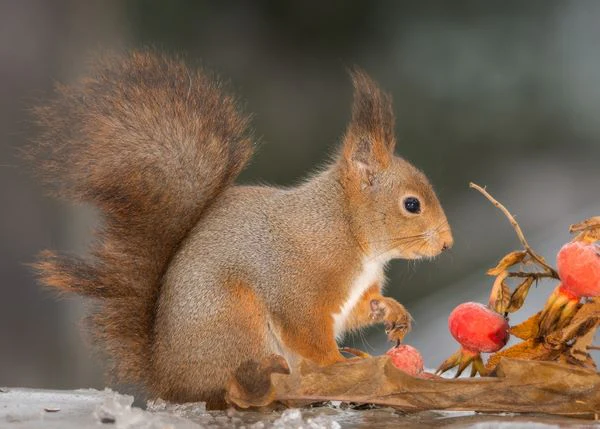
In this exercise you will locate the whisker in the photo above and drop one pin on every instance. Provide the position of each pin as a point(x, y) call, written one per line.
point(377, 255)
point(407, 241)
point(439, 226)
point(394, 245)
point(364, 340)
point(421, 247)
point(398, 238)
point(413, 267)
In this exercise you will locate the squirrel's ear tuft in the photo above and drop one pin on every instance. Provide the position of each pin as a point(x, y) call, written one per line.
point(369, 139)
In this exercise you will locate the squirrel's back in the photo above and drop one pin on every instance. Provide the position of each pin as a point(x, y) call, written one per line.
point(151, 143)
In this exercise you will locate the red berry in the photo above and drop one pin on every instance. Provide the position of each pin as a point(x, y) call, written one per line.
point(579, 268)
point(477, 328)
point(407, 359)
point(566, 293)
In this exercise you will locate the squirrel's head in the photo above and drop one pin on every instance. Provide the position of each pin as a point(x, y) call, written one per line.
point(395, 211)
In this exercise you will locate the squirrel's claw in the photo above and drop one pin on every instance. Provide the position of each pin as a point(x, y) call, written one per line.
point(396, 332)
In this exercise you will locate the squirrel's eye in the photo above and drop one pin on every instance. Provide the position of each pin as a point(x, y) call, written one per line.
point(412, 205)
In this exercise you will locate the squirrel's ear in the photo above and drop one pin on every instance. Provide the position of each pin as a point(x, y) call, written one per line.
point(369, 140)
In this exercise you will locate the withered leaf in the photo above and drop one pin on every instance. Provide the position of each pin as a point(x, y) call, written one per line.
point(527, 329)
point(529, 350)
point(508, 261)
point(588, 236)
point(589, 363)
point(591, 223)
point(589, 230)
point(586, 317)
point(519, 386)
point(579, 349)
point(500, 294)
point(585, 362)
point(517, 299)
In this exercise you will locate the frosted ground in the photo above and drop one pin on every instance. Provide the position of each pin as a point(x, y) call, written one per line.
point(89, 408)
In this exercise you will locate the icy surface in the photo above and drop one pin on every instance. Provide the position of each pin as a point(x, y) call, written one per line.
point(32, 408)
point(88, 408)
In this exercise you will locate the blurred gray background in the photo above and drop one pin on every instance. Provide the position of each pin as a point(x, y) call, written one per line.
point(506, 94)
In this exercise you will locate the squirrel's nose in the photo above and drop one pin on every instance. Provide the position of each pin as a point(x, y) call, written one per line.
point(448, 240)
point(446, 245)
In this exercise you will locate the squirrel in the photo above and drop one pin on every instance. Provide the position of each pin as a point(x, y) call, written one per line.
point(192, 275)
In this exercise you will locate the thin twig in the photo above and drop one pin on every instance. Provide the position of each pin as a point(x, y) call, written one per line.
point(517, 229)
point(593, 347)
point(537, 276)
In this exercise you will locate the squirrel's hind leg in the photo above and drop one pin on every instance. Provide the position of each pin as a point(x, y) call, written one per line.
point(203, 334)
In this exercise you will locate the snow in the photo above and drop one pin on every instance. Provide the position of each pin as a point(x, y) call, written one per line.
point(292, 418)
point(88, 408)
point(33, 408)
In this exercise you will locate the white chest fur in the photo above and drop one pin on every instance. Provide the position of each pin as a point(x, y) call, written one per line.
point(371, 273)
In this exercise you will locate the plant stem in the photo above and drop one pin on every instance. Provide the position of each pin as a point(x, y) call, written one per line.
point(537, 276)
point(551, 271)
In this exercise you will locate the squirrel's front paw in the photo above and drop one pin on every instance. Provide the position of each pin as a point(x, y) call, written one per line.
point(395, 318)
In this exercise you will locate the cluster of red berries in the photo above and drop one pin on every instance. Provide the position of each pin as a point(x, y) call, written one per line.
point(480, 329)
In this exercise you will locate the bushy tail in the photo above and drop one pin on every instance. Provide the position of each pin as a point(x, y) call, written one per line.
point(150, 143)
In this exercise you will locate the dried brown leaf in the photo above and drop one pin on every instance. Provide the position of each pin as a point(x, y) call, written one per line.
point(527, 329)
point(588, 236)
point(589, 230)
point(519, 386)
point(500, 294)
point(591, 223)
point(517, 299)
point(508, 261)
point(579, 349)
point(589, 363)
point(586, 317)
point(529, 350)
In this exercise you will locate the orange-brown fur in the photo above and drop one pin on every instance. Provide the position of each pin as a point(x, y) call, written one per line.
point(361, 314)
point(373, 308)
point(194, 276)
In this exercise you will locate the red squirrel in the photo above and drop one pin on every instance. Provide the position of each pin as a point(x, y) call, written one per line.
point(193, 275)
